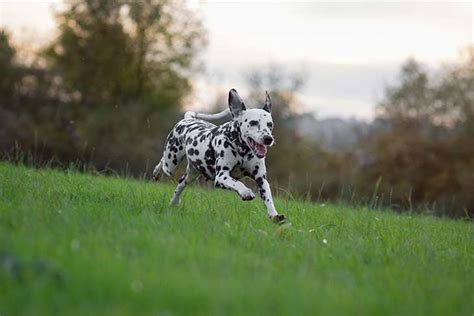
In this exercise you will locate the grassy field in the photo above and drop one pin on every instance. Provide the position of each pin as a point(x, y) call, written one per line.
point(91, 245)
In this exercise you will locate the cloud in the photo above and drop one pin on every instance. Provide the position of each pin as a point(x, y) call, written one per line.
point(331, 89)
point(337, 32)
point(350, 50)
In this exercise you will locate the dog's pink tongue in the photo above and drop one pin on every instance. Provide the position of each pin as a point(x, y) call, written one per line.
point(261, 149)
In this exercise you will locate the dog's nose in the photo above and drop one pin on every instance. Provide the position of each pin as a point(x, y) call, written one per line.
point(267, 140)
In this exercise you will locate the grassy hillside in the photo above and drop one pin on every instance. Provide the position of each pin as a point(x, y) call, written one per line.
point(91, 245)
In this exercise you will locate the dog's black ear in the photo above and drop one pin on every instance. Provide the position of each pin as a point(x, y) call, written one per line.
point(236, 104)
point(268, 103)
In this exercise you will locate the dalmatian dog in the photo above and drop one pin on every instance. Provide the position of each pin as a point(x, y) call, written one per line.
point(223, 153)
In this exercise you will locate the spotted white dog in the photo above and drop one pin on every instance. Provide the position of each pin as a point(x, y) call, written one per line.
point(223, 153)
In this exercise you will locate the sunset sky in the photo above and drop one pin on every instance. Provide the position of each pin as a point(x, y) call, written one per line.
point(349, 50)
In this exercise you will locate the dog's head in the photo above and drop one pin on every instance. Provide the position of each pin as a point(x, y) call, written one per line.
point(256, 125)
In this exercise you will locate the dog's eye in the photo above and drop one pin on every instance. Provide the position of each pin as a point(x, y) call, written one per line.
point(253, 123)
point(270, 125)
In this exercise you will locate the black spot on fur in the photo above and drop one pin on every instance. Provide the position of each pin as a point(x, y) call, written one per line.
point(179, 129)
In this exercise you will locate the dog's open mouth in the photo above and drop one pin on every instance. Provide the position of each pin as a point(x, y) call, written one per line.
point(259, 149)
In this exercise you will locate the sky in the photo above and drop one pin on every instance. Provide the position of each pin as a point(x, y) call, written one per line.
point(348, 50)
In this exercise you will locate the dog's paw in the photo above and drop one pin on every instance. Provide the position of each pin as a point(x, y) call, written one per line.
point(156, 175)
point(174, 202)
point(278, 219)
point(247, 195)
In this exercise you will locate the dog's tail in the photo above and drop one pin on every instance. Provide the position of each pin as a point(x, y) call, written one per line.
point(207, 117)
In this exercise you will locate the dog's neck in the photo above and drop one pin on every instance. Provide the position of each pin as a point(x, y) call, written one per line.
point(235, 135)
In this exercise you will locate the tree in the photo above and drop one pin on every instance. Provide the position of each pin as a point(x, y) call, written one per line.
point(124, 68)
point(455, 97)
point(31, 115)
point(107, 89)
point(425, 157)
point(111, 51)
point(7, 69)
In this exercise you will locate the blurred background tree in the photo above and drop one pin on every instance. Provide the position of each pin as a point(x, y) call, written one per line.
point(425, 153)
point(7, 69)
point(32, 114)
point(113, 64)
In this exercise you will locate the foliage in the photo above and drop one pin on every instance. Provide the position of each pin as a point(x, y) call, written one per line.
point(32, 114)
point(81, 244)
point(7, 55)
point(138, 50)
point(426, 156)
point(109, 87)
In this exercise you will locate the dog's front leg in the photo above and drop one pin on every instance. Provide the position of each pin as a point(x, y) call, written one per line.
point(224, 180)
point(266, 195)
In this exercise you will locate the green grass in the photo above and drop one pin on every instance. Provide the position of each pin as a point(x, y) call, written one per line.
point(91, 245)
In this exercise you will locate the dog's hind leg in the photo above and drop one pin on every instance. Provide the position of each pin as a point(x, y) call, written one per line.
point(157, 171)
point(190, 175)
point(173, 153)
